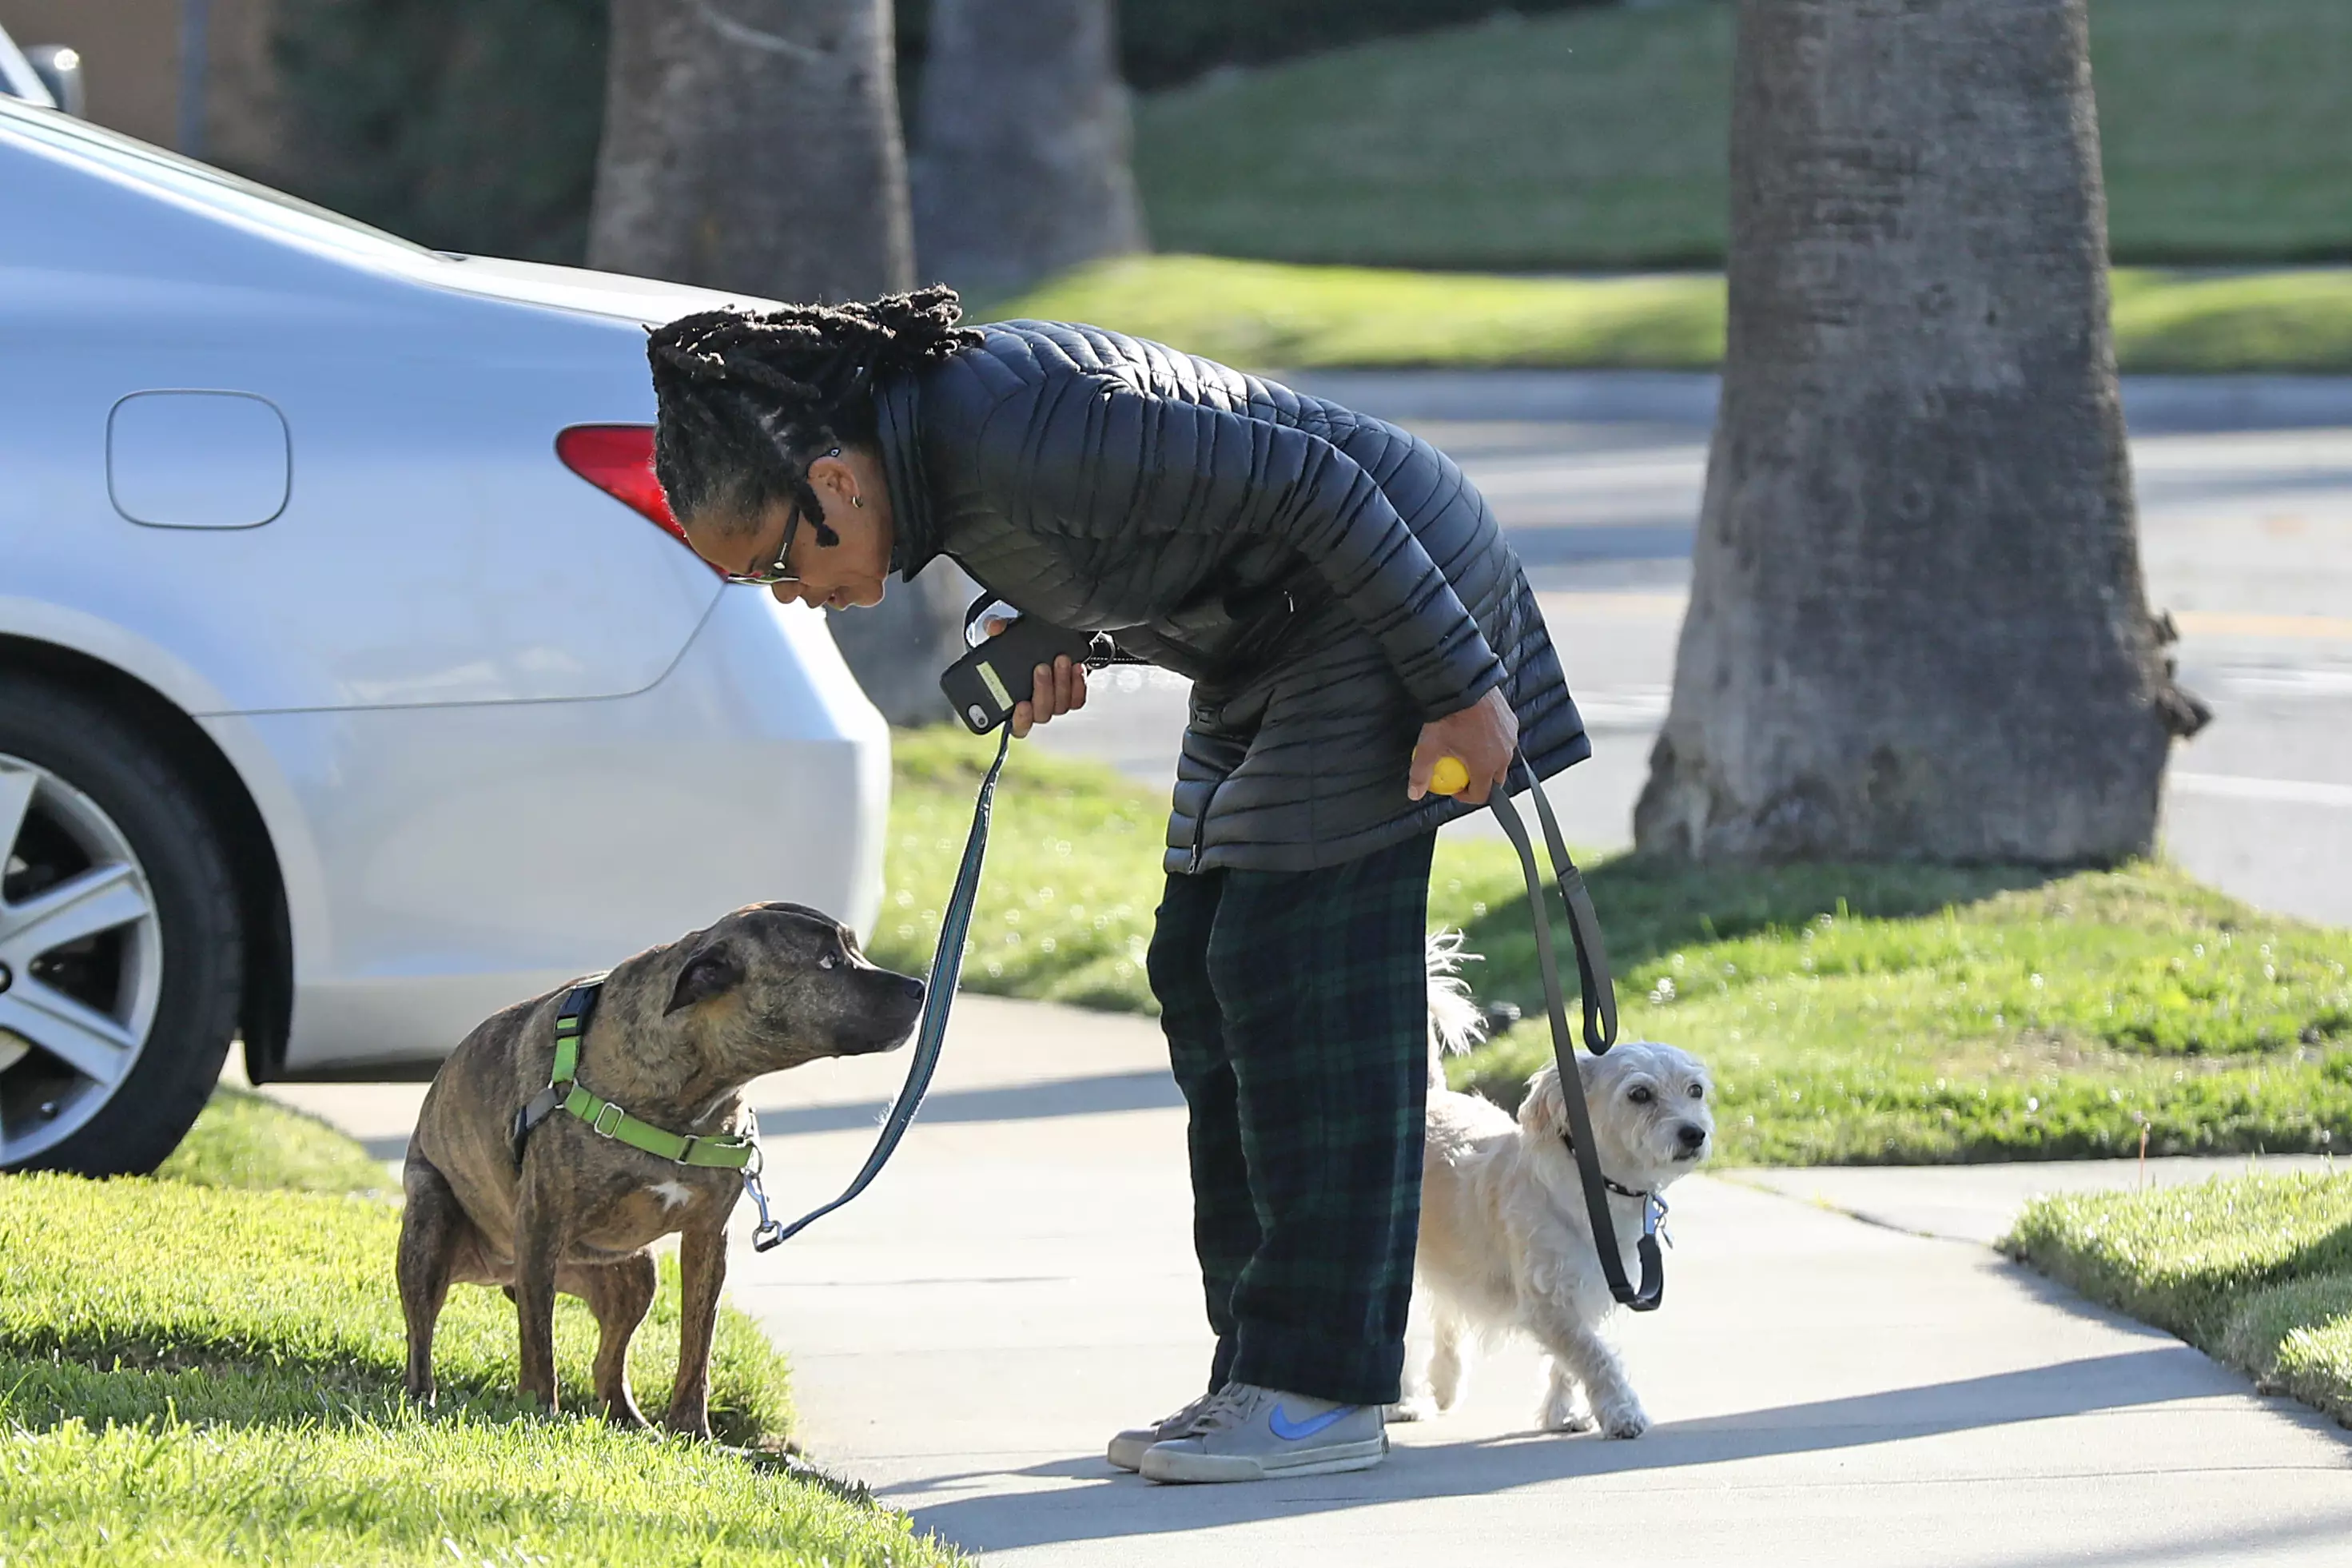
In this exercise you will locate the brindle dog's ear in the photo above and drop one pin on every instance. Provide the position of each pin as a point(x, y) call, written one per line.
point(712, 971)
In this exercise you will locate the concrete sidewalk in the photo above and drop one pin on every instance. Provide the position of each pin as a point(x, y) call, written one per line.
point(1020, 1284)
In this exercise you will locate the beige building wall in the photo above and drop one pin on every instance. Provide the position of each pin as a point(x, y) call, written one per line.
point(131, 57)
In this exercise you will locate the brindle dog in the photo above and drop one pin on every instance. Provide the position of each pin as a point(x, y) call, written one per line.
point(677, 1034)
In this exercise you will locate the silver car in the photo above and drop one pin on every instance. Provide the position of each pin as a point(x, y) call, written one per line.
point(354, 683)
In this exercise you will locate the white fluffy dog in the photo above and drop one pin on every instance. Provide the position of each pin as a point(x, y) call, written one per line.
point(1505, 1244)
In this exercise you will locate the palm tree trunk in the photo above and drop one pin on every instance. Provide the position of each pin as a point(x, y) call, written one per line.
point(753, 145)
point(1022, 167)
point(1917, 628)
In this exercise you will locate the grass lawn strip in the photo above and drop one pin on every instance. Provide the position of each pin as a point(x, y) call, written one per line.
point(1272, 316)
point(2296, 1339)
point(1599, 139)
point(2255, 1270)
point(1852, 1013)
point(193, 1374)
point(411, 1491)
point(245, 1140)
point(159, 1275)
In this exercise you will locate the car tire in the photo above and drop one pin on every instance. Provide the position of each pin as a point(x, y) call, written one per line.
point(98, 817)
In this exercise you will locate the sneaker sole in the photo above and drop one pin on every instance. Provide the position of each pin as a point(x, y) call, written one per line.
point(1200, 1468)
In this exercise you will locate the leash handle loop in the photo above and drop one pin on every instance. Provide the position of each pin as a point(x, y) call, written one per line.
point(1597, 995)
point(946, 964)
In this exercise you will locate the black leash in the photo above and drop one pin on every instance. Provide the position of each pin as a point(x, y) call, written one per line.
point(1599, 996)
point(946, 964)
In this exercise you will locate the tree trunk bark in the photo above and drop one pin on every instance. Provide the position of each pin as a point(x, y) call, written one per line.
point(1022, 166)
point(753, 145)
point(1917, 628)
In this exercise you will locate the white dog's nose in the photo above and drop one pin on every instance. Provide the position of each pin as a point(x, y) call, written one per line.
point(1691, 1135)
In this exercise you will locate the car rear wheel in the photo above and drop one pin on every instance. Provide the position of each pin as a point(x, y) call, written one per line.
point(121, 957)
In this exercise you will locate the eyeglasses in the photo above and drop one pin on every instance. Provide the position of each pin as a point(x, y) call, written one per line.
point(778, 571)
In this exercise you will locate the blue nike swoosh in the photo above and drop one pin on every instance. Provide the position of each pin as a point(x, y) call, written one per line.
point(1292, 1432)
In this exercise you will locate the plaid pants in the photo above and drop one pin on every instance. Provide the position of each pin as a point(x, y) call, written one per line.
point(1296, 1015)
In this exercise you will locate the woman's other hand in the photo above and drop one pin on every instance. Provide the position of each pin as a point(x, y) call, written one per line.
point(1058, 688)
point(1485, 736)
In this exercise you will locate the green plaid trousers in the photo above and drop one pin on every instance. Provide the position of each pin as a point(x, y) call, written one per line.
point(1297, 1013)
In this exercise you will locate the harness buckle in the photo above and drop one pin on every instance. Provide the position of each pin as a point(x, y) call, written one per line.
point(686, 1151)
point(612, 1130)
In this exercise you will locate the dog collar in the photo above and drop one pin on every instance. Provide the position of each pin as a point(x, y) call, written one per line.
point(565, 1093)
point(1653, 1207)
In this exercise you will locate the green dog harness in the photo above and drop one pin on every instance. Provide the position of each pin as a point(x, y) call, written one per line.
point(566, 1092)
point(734, 1153)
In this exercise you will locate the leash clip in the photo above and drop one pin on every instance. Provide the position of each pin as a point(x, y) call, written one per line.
point(769, 1234)
point(1654, 1217)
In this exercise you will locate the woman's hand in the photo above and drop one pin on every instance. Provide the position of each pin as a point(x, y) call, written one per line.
point(1060, 687)
point(1485, 735)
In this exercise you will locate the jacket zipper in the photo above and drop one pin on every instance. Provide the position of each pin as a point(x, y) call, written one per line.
point(1200, 828)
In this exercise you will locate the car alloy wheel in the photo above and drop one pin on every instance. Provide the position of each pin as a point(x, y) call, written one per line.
point(81, 954)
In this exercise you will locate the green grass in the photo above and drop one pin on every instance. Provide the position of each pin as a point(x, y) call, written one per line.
point(206, 1371)
point(1072, 877)
point(1852, 1014)
point(1073, 872)
point(1599, 139)
point(1271, 315)
point(405, 1490)
point(1869, 1015)
point(2256, 1270)
point(296, 1288)
point(245, 1140)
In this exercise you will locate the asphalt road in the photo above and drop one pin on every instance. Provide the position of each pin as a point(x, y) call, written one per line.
point(2245, 497)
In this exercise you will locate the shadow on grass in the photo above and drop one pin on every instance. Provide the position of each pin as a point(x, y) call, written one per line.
point(1650, 907)
point(131, 1385)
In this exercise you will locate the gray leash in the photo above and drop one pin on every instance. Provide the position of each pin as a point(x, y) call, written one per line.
point(947, 965)
point(1599, 995)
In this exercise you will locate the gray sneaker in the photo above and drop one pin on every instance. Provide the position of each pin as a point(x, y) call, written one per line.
point(1251, 1434)
point(1126, 1450)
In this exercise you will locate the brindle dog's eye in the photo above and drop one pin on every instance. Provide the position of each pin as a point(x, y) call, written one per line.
point(827, 961)
point(1639, 1094)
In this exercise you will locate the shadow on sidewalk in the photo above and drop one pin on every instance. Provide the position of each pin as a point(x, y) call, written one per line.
point(1027, 1518)
point(1149, 1090)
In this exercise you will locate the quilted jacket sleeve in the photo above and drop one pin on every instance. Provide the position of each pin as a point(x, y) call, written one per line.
point(1150, 494)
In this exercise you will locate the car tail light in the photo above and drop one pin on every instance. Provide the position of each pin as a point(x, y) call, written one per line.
point(619, 460)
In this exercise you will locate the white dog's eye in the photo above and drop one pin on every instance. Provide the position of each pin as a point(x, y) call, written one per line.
point(1698, 1091)
point(1639, 1094)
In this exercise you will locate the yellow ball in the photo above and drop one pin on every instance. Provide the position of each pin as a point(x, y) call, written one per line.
point(1449, 776)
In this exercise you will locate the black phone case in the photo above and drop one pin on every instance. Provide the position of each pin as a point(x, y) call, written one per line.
point(985, 685)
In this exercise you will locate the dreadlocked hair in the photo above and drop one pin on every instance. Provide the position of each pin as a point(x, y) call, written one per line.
point(747, 399)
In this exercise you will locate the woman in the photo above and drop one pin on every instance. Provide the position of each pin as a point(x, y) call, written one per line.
point(1348, 611)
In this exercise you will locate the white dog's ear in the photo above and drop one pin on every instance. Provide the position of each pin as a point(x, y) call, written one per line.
point(1543, 1114)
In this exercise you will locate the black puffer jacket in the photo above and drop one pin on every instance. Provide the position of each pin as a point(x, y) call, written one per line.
point(1328, 581)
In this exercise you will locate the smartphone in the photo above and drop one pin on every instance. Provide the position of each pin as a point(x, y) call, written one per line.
point(985, 685)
